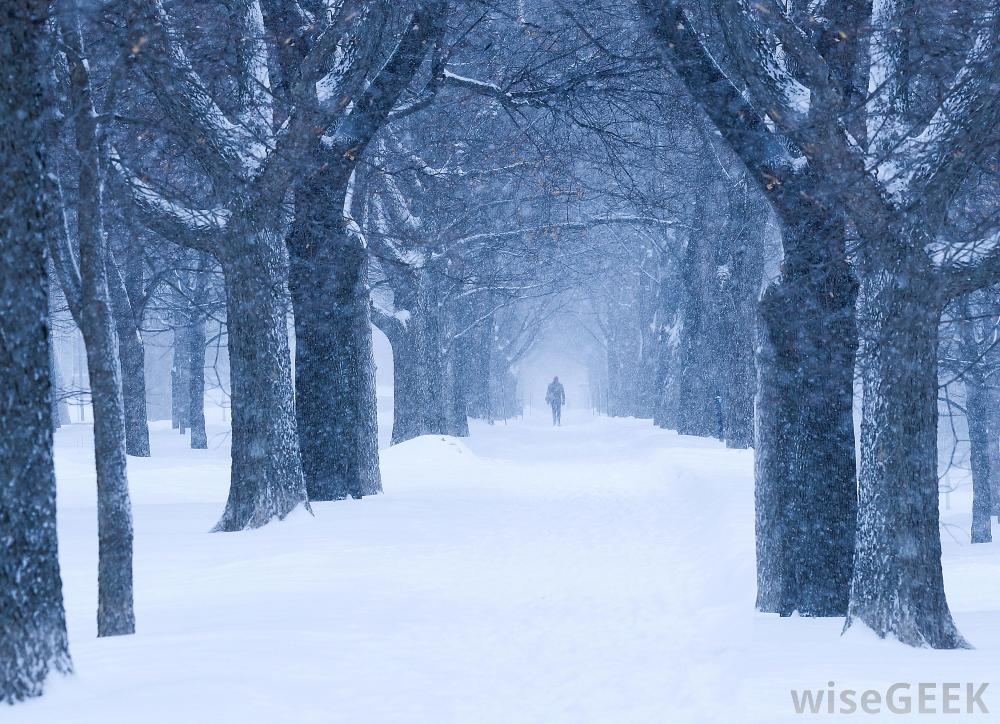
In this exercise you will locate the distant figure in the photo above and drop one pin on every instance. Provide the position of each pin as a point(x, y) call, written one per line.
point(556, 397)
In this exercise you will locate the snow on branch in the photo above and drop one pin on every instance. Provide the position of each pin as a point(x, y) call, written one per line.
point(963, 128)
point(253, 79)
point(969, 266)
point(763, 61)
point(740, 123)
point(886, 51)
point(64, 259)
point(480, 87)
point(391, 323)
point(558, 227)
point(374, 106)
point(197, 228)
point(224, 148)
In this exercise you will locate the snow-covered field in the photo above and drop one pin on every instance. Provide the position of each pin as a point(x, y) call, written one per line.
point(598, 572)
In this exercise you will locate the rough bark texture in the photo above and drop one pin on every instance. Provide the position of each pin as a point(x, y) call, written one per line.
point(475, 374)
point(115, 614)
point(977, 417)
point(180, 410)
point(897, 588)
point(196, 359)
point(668, 320)
point(699, 374)
point(419, 407)
point(196, 383)
point(60, 411)
point(624, 349)
point(648, 364)
point(455, 390)
point(33, 638)
point(334, 363)
point(806, 498)
point(993, 448)
point(114, 510)
point(739, 290)
point(132, 360)
point(267, 481)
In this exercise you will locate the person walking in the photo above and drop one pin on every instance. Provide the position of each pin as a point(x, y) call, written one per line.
point(555, 395)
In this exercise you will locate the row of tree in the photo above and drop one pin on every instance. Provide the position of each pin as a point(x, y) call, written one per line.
point(463, 175)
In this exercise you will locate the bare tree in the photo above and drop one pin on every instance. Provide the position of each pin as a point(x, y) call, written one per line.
point(33, 639)
point(836, 135)
point(85, 285)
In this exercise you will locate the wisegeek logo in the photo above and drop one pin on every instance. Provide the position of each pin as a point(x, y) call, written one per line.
point(898, 698)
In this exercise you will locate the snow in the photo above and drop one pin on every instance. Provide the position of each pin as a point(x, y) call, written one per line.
point(331, 84)
point(207, 220)
point(796, 96)
point(489, 89)
point(598, 572)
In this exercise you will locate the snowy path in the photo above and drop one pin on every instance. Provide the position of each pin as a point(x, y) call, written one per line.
point(600, 572)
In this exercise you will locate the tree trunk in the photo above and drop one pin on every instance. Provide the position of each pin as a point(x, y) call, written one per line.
point(740, 291)
point(624, 351)
point(60, 411)
point(740, 389)
point(806, 500)
point(33, 638)
point(418, 387)
point(115, 614)
point(132, 360)
point(667, 323)
point(196, 382)
point(455, 379)
point(897, 587)
point(977, 419)
point(646, 392)
point(418, 381)
point(408, 401)
point(698, 373)
point(196, 357)
point(267, 480)
point(993, 448)
point(334, 363)
point(468, 359)
point(180, 398)
point(114, 510)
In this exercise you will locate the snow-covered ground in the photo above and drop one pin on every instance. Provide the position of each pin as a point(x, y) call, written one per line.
point(598, 572)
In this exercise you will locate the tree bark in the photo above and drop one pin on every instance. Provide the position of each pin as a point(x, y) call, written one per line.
point(60, 412)
point(196, 383)
point(418, 374)
point(624, 350)
point(740, 292)
point(33, 639)
point(115, 615)
point(196, 358)
point(977, 419)
point(897, 587)
point(455, 389)
point(180, 399)
point(698, 373)
point(132, 360)
point(668, 354)
point(334, 363)
point(806, 500)
point(114, 510)
point(993, 448)
point(980, 462)
point(267, 480)
point(475, 375)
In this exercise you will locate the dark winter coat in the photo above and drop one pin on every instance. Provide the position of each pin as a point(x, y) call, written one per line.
point(555, 395)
